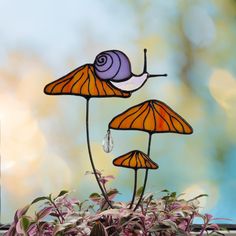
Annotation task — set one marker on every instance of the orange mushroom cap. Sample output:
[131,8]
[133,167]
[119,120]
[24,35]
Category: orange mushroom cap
[83,82]
[135,160]
[152,116]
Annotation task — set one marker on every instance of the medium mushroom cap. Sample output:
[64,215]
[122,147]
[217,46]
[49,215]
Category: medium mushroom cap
[84,82]
[135,160]
[152,116]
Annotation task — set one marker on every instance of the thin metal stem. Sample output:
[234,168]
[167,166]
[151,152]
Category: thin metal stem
[146,174]
[90,154]
[135,188]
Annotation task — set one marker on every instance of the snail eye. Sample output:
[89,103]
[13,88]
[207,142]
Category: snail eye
[112,65]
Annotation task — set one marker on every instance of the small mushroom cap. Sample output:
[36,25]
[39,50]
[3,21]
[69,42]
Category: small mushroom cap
[84,82]
[152,116]
[135,160]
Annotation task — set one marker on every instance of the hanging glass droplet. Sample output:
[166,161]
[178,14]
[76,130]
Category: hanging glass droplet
[107,142]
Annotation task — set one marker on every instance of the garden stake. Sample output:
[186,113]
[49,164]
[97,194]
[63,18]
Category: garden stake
[151,116]
[83,82]
[135,160]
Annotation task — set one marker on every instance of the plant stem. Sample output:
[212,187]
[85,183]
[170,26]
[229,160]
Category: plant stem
[202,231]
[59,213]
[90,154]
[203,228]
[135,188]
[187,229]
[146,174]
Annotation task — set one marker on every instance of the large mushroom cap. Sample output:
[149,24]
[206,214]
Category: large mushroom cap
[83,82]
[152,116]
[135,160]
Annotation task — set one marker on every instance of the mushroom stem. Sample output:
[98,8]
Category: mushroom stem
[90,154]
[146,173]
[149,144]
[135,188]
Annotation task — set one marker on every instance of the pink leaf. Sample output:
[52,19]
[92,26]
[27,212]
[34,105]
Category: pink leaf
[32,230]
[19,229]
[183,225]
[221,219]
[11,231]
[208,217]
[20,213]
[112,193]
[44,212]
[213,227]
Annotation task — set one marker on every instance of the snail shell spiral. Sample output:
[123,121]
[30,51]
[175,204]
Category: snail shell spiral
[112,65]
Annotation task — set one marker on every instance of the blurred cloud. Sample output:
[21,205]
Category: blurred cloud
[198,26]
[102,160]
[54,175]
[22,140]
[207,203]
[222,86]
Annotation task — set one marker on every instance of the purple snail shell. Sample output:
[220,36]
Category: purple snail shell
[112,65]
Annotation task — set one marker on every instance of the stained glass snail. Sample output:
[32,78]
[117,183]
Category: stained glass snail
[114,66]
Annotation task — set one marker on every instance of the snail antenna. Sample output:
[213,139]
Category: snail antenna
[145,67]
[145,61]
[158,75]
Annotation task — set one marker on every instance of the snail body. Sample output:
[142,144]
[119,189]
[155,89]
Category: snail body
[133,84]
[114,66]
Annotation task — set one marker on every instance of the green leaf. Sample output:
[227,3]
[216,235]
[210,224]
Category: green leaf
[170,224]
[25,222]
[58,230]
[39,199]
[166,198]
[63,192]
[139,191]
[81,204]
[50,197]
[173,195]
[199,196]
[112,191]
[98,229]
[59,234]
[165,191]
[95,197]
[181,232]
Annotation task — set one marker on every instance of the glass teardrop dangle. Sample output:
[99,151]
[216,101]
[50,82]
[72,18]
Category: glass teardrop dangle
[107,142]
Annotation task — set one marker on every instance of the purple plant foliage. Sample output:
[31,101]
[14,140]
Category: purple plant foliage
[168,215]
